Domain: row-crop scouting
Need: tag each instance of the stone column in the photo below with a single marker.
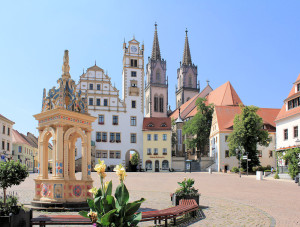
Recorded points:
(84, 161)
(54, 160)
(40, 165)
(58, 151)
(66, 160)
(89, 155)
(72, 159)
(44, 163)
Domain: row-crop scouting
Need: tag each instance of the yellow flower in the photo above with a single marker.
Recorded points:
(100, 168)
(93, 190)
(184, 179)
(120, 171)
(103, 175)
(106, 185)
(93, 216)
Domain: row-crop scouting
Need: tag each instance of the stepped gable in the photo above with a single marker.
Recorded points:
(287, 113)
(156, 123)
(225, 116)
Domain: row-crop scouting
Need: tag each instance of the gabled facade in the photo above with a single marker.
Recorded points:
(6, 138)
(187, 84)
(118, 130)
(222, 126)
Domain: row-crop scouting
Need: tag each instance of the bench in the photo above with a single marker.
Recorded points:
(185, 206)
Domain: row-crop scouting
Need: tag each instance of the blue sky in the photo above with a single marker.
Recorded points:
(252, 44)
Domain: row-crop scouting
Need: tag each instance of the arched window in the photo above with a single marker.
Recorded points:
(149, 165)
(157, 77)
(161, 104)
(165, 164)
(155, 104)
(190, 80)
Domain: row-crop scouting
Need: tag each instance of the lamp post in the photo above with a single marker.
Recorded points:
(238, 152)
(247, 162)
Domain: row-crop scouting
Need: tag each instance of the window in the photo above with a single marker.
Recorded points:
(103, 154)
(155, 104)
(91, 101)
(155, 151)
(161, 104)
(133, 63)
(104, 136)
(148, 151)
(133, 73)
(91, 87)
(155, 137)
(149, 137)
(111, 154)
(3, 145)
(98, 154)
(190, 81)
(115, 120)
(112, 137)
(98, 87)
(20, 149)
(295, 131)
(270, 154)
(133, 104)
(294, 103)
(101, 119)
(226, 138)
(148, 165)
(105, 102)
(98, 136)
(165, 151)
(132, 138)
(3, 129)
(98, 102)
(285, 134)
(118, 154)
(164, 137)
(298, 87)
(8, 131)
(227, 154)
(133, 121)
(118, 137)
(165, 165)
(260, 154)
(158, 77)
(133, 83)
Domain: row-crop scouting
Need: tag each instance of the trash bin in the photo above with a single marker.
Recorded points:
(259, 175)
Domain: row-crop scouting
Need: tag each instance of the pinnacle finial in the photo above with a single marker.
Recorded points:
(207, 81)
(66, 66)
(155, 25)
(186, 31)
(95, 63)
(155, 49)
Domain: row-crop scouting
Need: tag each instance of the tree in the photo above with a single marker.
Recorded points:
(11, 173)
(247, 133)
(293, 158)
(198, 128)
(135, 159)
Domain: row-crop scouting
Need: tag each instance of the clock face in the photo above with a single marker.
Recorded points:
(133, 49)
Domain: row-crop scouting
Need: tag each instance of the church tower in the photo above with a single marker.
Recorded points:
(187, 86)
(156, 85)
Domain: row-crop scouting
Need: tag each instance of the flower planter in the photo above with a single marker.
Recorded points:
(21, 219)
(175, 199)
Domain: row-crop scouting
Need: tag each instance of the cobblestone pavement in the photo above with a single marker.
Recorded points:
(227, 200)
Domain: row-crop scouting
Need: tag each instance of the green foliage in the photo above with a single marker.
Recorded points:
(247, 134)
(135, 159)
(276, 176)
(108, 210)
(293, 158)
(11, 205)
(262, 168)
(198, 128)
(242, 170)
(186, 188)
(174, 134)
(235, 169)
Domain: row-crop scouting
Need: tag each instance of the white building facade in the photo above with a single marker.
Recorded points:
(118, 131)
(6, 138)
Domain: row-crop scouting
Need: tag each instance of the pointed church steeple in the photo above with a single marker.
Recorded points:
(155, 49)
(186, 60)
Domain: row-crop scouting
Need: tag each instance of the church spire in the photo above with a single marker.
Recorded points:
(155, 49)
(186, 60)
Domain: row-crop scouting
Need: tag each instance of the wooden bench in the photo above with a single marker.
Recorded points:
(184, 207)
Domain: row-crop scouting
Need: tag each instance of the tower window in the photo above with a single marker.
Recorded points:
(161, 104)
(98, 102)
(155, 104)
(158, 77)
(91, 101)
(105, 102)
(133, 121)
(133, 138)
(98, 87)
(91, 87)
(133, 73)
(190, 81)
(133, 63)
(133, 104)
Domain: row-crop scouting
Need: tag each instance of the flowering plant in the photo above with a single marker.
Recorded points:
(108, 210)
(186, 188)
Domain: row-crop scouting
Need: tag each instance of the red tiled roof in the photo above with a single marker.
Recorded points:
(226, 114)
(157, 123)
(6, 118)
(18, 138)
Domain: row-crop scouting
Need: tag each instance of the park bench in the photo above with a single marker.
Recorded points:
(184, 207)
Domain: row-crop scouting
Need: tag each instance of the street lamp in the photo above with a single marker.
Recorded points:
(238, 152)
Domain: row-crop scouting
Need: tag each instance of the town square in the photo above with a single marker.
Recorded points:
(127, 114)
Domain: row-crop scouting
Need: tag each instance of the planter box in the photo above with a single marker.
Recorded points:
(21, 219)
(175, 199)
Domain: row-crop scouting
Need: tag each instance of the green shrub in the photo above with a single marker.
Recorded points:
(235, 169)
(11, 205)
(242, 170)
(268, 167)
(186, 188)
(267, 170)
(276, 176)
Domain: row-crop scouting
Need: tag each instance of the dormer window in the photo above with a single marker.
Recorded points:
(293, 103)
(150, 125)
(298, 87)
(163, 125)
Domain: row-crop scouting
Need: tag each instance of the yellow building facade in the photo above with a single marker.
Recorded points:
(157, 152)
